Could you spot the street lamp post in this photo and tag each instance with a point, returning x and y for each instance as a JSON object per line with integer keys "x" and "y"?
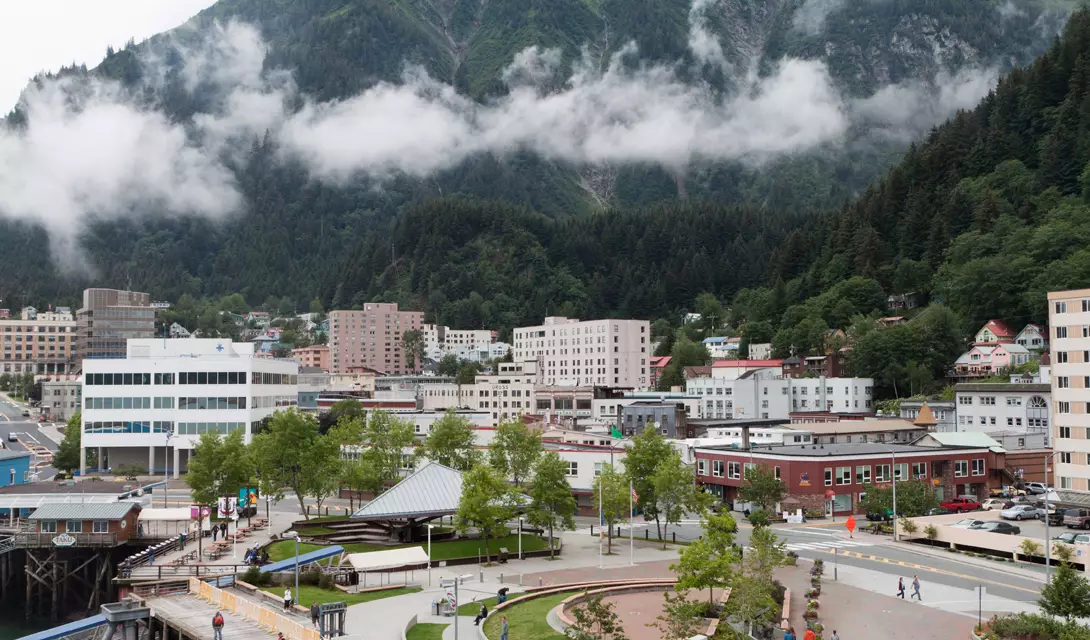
{"x": 893, "y": 477}
{"x": 293, "y": 534}
{"x": 520, "y": 537}
{"x": 1048, "y": 538}
{"x": 166, "y": 460}
{"x": 429, "y": 553}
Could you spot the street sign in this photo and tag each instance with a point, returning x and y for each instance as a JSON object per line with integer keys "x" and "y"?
{"x": 849, "y": 524}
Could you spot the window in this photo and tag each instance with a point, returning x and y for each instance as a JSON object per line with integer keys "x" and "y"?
{"x": 598, "y": 468}
{"x": 843, "y": 475}
{"x": 1063, "y": 382}
{"x": 573, "y": 468}
{"x": 776, "y": 471}
{"x": 1061, "y": 356}
{"x": 828, "y": 477}
{"x": 881, "y": 473}
{"x": 734, "y": 470}
{"x": 1061, "y": 332}
{"x": 978, "y": 466}
{"x": 1065, "y": 483}
{"x": 862, "y": 475}
{"x": 1065, "y": 432}
{"x": 1061, "y": 307}
{"x": 48, "y": 526}
{"x": 1065, "y": 457}
{"x": 717, "y": 468}
{"x": 701, "y": 467}
{"x": 74, "y": 526}
{"x": 961, "y": 468}
{"x": 100, "y": 526}
{"x": 1063, "y": 407}
{"x": 919, "y": 470}
{"x": 987, "y": 400}
{"x": 901, "y": 472}
{"x": 1014, "y": 401}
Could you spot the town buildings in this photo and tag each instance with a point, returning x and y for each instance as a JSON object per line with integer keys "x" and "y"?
{"x": 668, "y": 418}
{"x": 314, "y": 356}
{"x": 943, "y": 412}
{"x": 504, "y": 395}
{"x": 997, "y": 406}
{"x": 722, "y": 347}
{"x": 39, "y": 343}
{"x": 151, "y": 407}
{"x": 14, "y": 467}
{"x": 474, "y": 345}
{"x": 607, "y": 352}
{"x": 110, "y": 317}
{"x": 62, "y": 396}
{"x": 1069, "y": 322}
{"x": 737, "y": 390}
{"x": 997, "y": 349}
{"x": 372, "y": 337}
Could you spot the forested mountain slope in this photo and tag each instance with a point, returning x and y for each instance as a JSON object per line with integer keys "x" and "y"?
{"x": 893, "y": 67}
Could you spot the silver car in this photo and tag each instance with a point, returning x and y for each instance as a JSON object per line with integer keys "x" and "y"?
{"x": 967, "y": 523}
{"x": 1021, "y": 512}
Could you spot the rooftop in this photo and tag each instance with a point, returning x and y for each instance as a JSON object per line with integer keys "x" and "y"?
{"x": 967, "y": 387}
{"x": 8, "y": 454}
{"x": 85, "y": 487}
{"x": 435, "y": 489}
{"x": 109, "y": 511}
{"x": 712, "y": 423}
{"x": 868, "y": 425}
{"x": 747, "y": 364}
{"x": 848, "y": 449}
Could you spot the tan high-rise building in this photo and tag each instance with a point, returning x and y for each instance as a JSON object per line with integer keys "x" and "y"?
{"x": 1069, "y": 328}
{"x": 108, "y": 319}
{"x": 42, "y": 343}
{"x": 372, "y": 337}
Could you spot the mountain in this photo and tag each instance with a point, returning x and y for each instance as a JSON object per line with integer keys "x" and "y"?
{"x": 878, "y": 73}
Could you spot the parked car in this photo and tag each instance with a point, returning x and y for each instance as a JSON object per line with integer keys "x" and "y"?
{"x": 1067, "y": 537}
{"x": 1021, "y": 512}
{"x": 1037, "y": 488}
{"x": 967, "y": 523}
{"x": 937, "y": 511}
{"x": 26, "y": 412}
{"x": 1077, "y": 518}
{"x": 993, "y": 503}
{"x": 998, "y": 527}
{"x": 1056, "y": 517}
{"x": 960, "y": 505}
{"x": 884, "y": 516}
{"x": 12, "y": 437}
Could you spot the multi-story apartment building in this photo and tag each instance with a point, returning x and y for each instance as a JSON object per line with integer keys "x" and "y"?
{"x": 475, "y": 345}
{"x": 62, "y": 396}
{"x": 1069, "y": 322}
{"x": 372, "y": 337}
{"x": 944, "y": 412}
{"x": 593, "y": 352}
{"x": 768, "y": 394}
{"x": 504, "y": 395}
{"x": 110, "y": 317}
{"x": 42, "y": 343}
{"x": 315, "y": 356}
{"x": 990, "y": 407}
{"x": 164, "y": 394}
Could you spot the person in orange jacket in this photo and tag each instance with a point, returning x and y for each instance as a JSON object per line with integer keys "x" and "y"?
{"x": 809, "y": 635}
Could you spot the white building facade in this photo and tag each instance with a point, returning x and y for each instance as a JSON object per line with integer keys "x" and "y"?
{"x": 592, "y": 352}
{"x": 1069, "y": 347}
{"x": 474, "y": 345}
{"x": 150, "y": 408}
{"x": 504, "y": 395}
{"x": 989, "y": 407}
{"x": 768, "y": 394}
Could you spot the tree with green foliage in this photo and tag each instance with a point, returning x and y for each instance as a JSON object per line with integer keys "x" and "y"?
{"x": 1067, "y": 595}
{"x": 467, "y": 374}
{"x": 710, "y": 561}
{"x": 914, "y": 498}
{"x": 450, "y": 442}
{"x": 514, "y": 450}
{"x": 387, "y": 437}
{"x": 358, "y": 472}
{"x": 766, "y": 552}
{"x": 676, "y": 492}
{"x": 487, "y": 503}
{"x": 680, "y": 617}
{"x": 711, "y": 312}
{"x": 68, "y": 452}
{"x": 219, "y": 467}
{"x": 612, "y": 495}
{"x": 283, "y": 451}
{"x": 552, "y": 503}
{"x": 412, "y": 344}
{"x": 595, "y": 619}
{"x": 648, "y": 449}
{"x": 762, "y": 488}
{"x": 449, "y": 365}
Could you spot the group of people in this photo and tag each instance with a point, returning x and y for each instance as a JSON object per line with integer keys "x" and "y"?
{"x": 219, "y": 531}
{"x": 915, "y": 588}
{"x": 809, "y": 635}
{"x": 256, "y": 556}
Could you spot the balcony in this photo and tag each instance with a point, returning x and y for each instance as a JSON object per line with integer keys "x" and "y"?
{"x": 25, "y": 539}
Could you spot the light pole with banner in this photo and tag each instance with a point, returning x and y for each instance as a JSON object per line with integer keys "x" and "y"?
{"x": 295, "y": 535}
{"x": 166, "y": 462}
{"x": 447, "y": 583}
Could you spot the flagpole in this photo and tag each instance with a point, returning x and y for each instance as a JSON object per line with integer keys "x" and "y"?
{"x": 631, "y": 523}
{"x": 600, "y": 522}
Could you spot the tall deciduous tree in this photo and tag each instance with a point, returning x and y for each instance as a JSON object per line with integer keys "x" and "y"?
{"x": 1068, "y": 595}
{"x": 220, "y": 466}
{"x": 412, "y": 343}
{"x": 388, "y": 437}
{"x": 449, "y": 365}
{"x": 487, "y": 503}
{"x": 321, "y": 469}
{"x": 68, "y": 453}
{"x": 762, "y": 487}
{"x": 450, "y": 442}
{"x": 680, "y": 618}
{"x": 595, "y": 619}
{"x": 282, "y": 450}
{"x": 709, "y": 562}
{"x": 515, "y": 450}
{"x": 648, "y": 449}
{"x": 611, "y": 492}
{"x": 552, "y": 501}
{"x": 914, "y": 498}
{"x": 675, "y": 492}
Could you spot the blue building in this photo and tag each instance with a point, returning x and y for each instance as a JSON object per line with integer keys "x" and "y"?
{"x": 14, "y": 467}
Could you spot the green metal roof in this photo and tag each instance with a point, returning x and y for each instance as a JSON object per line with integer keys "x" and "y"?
{"x": 108, "y": 511}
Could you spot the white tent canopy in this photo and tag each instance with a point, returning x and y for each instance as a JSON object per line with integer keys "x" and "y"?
{"x": 171, "y": 514}
{"x": 164, "y": 522}
{"x": 390, "y": 559}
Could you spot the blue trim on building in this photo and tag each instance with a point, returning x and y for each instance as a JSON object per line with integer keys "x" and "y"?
{"x": 305, "y": 558}
{"x": 68, "y": 629}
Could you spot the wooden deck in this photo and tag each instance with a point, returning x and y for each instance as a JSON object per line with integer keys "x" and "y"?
{"x": 193, "y": 617}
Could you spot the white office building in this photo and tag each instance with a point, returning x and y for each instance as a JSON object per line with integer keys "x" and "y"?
{"x": 152, "y": 406}
{"x": 474, "y": 345}
{"x": 768, "y": 394}
{"x": 504, "y": 395}
{"x": 609, "y": 352}
{"x": 1007, "y": 407}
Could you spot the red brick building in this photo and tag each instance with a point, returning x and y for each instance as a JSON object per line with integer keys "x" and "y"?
{"x": 831, "y": 477}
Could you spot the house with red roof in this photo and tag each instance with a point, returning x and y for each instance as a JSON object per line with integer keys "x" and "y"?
{"x": 658, "y": 365}
{"x": 995, "y": 331}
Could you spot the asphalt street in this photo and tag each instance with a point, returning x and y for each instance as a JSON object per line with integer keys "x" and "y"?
{"x": 21, "y": 433}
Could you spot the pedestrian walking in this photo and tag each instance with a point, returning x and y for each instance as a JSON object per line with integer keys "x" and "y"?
{"x": 217, "y": 626}
{"x": 901, "y": 587}
{"x": 809, "y": 635}
{"x": 836, "y": 636}
{"x": 916, "y": 588}
{"x": 314, "y": 613}
{"x": 790, "y": 635}
{"x": 287, "y": 599}
{"x": 215, "y": 532}
{"x": 223, "y": 530}
{"x": 503, "y": 628}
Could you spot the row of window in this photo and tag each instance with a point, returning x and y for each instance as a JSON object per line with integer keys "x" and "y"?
{"x": 117, "y": 379}
{"x": 129, "y": 403}
{"x": 190, "y": 377}
{"x": 1061, "y": 306}
{"x": 1011, "y": 422}
{"x": 127, "y": 427}
{"x": 843, "y": 475}
{"x": 192, "y": 404}
{"x": 197, "y": 428}
{"x": 75, "y": 526}
{"x": 268, "y": 402}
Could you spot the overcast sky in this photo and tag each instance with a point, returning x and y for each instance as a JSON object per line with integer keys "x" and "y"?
{"x": 43, "y": 35}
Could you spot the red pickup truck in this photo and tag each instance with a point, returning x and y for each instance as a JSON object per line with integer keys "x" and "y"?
{"x": 959, "y": 505}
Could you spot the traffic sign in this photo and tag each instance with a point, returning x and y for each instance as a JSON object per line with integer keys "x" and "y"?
{"x": 849, "y": 524}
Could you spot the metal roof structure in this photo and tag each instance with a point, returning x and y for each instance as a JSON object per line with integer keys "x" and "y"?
{"x": 84, "y": 511}
{"x": 389, "y": 559}
{"x": 434, "y": 490}
{"x": 8, "y": 454}
{"x": 977, "y": 439}
{"x": 304, "y": 558}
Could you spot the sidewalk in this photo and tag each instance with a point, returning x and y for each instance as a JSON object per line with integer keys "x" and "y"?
{"x": 279, "y": 522}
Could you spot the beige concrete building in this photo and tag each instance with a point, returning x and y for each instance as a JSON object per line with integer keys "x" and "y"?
{"x": 1069, "y": 324}
{"x": 593, "y": 352}
{"x": 316, "y": 356}
{"x": 41, "y": 343}
{"x": 371, "y": 337}
{"x": 108, "y": 319}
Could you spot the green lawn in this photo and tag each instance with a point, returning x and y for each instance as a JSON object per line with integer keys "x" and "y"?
{"x": 471, "y": 608}
{"x": 309, "y": 594}
{"x": 285, "y": 549}
{"x": 527, "y": 620}
{"x": 426, "y": 631}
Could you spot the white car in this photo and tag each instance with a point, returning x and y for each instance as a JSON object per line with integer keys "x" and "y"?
{"x": 967, "y": 523}
{"x": 992, "y": 503}
{"x": 1021, "y": 512}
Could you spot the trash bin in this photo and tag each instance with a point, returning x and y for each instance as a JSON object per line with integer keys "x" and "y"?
{"x": 503, "y": 555}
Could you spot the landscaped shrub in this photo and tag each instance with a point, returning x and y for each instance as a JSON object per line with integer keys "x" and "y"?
{"x": 908, "y": 526}
{"x": 252, "y": 576}
{"x": 1030, "y": 548}
{"x": 1026, "y": 626}
{"x": 931, "y": 531}
{"x": 312, "y": 577}
{"x": 325, "y": 581}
